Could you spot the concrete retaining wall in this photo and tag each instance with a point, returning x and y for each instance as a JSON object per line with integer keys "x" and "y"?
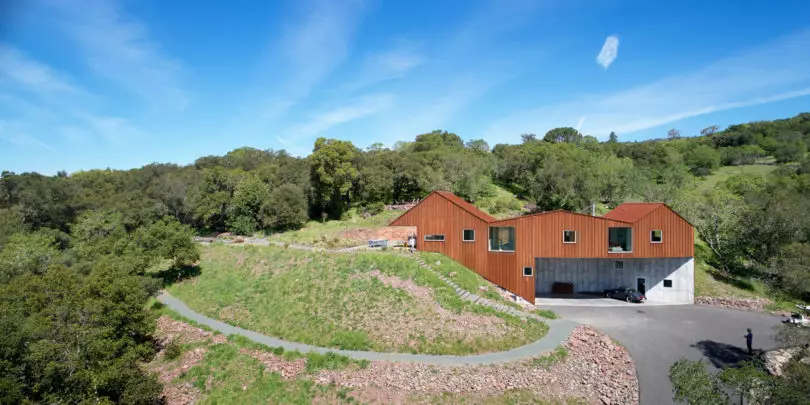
{"x": 601, "y": 274}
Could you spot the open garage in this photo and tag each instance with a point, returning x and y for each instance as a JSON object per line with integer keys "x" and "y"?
{"x": 669, "y": 280}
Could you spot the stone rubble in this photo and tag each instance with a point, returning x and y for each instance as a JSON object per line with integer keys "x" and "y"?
{"x": 745, "y": 304}
{"x": 596, "y": 370}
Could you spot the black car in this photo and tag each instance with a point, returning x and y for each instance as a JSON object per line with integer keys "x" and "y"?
{"x": 627, "y": 294}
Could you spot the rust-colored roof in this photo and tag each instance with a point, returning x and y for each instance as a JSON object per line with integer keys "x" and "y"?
{"x": 632, "y": 212}
{"x": 473, "y": 210}
{"x": 558, "y": 212}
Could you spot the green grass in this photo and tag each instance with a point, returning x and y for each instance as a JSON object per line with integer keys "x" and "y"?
{"x": 559, "y": 354}
{"x": 545, "y": 313}
{"x": 710, "y": 282}
{"x": 328, "y": 300}
{"x": 502, "y": 204}
{"x": 329, "y": 234}
{"x": 226, "y": 375}
{"x": 722, "y": 174}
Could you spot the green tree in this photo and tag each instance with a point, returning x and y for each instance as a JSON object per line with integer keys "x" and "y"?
{"x": 716, "y": 217}
{"x": 565, "y": 134}
{"x": 702, "y": 159}
{"x": 332, "y": 174}
{"x": 243, "y": 211}
{"x": 478, "y": 145}
{"x": 286, "y": 208}
{"x": 692, "y": 384}
{"x": 613, "y": 138}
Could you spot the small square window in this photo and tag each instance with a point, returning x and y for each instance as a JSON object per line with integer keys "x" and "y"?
{"x": 667, "y": 283}
{"x": 527, "y": 271}
{"x": 569, "y": 236}
{"x": 469, "y": 235}
{"x": 656, "y": 236}
{"x": 619, "y": 265}
{"x": 434, "y": 238}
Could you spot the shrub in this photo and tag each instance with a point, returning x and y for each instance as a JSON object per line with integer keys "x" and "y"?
{"x": 173, "y": 350}
{"x": 372, "y": 209}
{"x": 286, "y": 208}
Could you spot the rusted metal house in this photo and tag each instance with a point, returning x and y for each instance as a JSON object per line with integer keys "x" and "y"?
{"x": 647, "y": 246}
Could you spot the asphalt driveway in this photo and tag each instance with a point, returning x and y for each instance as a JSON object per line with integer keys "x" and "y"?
{"x": 657, "y": 336}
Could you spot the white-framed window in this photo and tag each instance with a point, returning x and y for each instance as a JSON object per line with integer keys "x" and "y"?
{"x": 656, "y": 236}
{"x": 468, "y": 235}
{"x": 620, "y": 240}
{"x": 434, "y": 238}
{"x": 527, "y": 271}
{"x": 502, "y": 239}
{"x": 569, "y": 236}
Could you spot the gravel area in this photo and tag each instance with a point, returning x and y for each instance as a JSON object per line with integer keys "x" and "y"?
{"x": 745, "y": 304}
{"x": 596, "y": 370}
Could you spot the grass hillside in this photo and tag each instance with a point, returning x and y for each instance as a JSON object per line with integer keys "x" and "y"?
{"x": 365, "y": 301}
{"x": 723, "y": 173}
{"x": 352, "y": 230}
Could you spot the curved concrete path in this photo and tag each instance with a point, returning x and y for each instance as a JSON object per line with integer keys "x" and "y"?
{"x": 559, "y": 329}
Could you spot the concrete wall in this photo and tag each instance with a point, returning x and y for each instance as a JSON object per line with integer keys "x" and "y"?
{"x": 601, "y": 274}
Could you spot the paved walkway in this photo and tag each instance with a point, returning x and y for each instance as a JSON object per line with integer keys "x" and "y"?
{"x": 559, "y": 330}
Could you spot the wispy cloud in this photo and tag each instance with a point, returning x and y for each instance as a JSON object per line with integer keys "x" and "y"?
{"x": 776, "y": 71}
{"x": 609, "y": 52}
{"x": 21, "y": 139}
{"x": 119, "y": 48}
{"x": 387, "y": 65}
{"x": 320, "y": 122}
{"x": 581, "y": 121}
{"x": 34, "y": 76}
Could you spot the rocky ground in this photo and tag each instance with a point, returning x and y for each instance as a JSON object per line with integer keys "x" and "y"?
{"x": 595, "y": 370}
{"x": 745, "y": 304}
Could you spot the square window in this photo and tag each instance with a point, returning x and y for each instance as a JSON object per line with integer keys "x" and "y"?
{"x": 468, "y": 235}
{"x": 656, "y": 236}
{"x": 434, "y": 238}
{"x": 668, "y": 283}
{"x": 619, "y": 265}
{"x": 502, "y": 239}
{"x": 527, "y": 271}
{"x": 569, "y": 236}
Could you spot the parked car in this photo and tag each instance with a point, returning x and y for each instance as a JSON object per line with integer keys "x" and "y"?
{"x": 799, "y": 319}
{"x": 627, "y": 294}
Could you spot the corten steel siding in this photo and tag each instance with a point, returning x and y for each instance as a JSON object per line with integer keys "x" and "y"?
{"x": 678, "y": 235}
{"x": 544, "y": 235}
{"x": 437, "y": 215}
{"x": 506, "y": 268}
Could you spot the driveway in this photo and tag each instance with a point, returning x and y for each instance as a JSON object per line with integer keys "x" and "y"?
{"x": 657, "y": 336}
{"x": 588, "y": 301}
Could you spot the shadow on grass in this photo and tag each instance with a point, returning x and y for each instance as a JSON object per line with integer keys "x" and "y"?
{"x": 723, "y": 355}
{"x": 176, "y": 274}
{"x": 733, "y": 281}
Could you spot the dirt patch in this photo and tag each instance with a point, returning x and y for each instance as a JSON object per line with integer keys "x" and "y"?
{"x": 396, "y": 328}
{"x": 596, "y": 370}
{"x": 240, "y": 258}
{"x": 277, "y": 364}
{"x": 233, "y": 312}
{"x": 391, "y": 233}
{"x": 169, "y": 330}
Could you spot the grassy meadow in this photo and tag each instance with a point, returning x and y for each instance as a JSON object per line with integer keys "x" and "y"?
{"x": 365, "y": 301}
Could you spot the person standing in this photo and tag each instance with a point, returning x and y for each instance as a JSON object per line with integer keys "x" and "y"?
{"x": 411, "y": 243}
{"x": 749, "y": 339}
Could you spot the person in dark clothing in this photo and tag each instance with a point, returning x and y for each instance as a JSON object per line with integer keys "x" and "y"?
{"x": 749, "y": 338}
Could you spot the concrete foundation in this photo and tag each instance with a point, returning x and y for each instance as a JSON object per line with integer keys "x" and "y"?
{"x": 596, "y": 275}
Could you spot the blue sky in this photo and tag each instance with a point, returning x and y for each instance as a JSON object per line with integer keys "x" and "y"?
{"x": 96, "y": 84}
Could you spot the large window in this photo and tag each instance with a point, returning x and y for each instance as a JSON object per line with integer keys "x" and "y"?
{"x": 468, "y": 235}
{"x": 434, "y": 238}
{"x": 656, "y": 236}
{"x": 569, "y": 236}
{"x": 502, "y": 238}
{"x": 620, "y": 240}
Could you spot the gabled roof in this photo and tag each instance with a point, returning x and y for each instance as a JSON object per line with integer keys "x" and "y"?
{"x": 559, "y": 212}
{"x": 632, "y": 212}
{"x": 473, "y": 210}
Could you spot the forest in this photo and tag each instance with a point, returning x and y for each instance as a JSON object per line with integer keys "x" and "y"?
{"x": 75, "y": 249}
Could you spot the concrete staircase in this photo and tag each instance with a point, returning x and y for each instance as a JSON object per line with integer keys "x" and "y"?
{"x": 477, "y": 299}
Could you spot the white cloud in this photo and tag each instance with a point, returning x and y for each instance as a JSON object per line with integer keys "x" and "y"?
{"x": 21, "y": 139}
{"x": 609, "y": 52}
{"x": 320, "y": 122}
{"x": 120, "y": 49}
{"x": 581, "y": 121}
{"x": 777, "y": 71}
{"x": 387, "y": 65}
{"x": 32, "y": 75}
